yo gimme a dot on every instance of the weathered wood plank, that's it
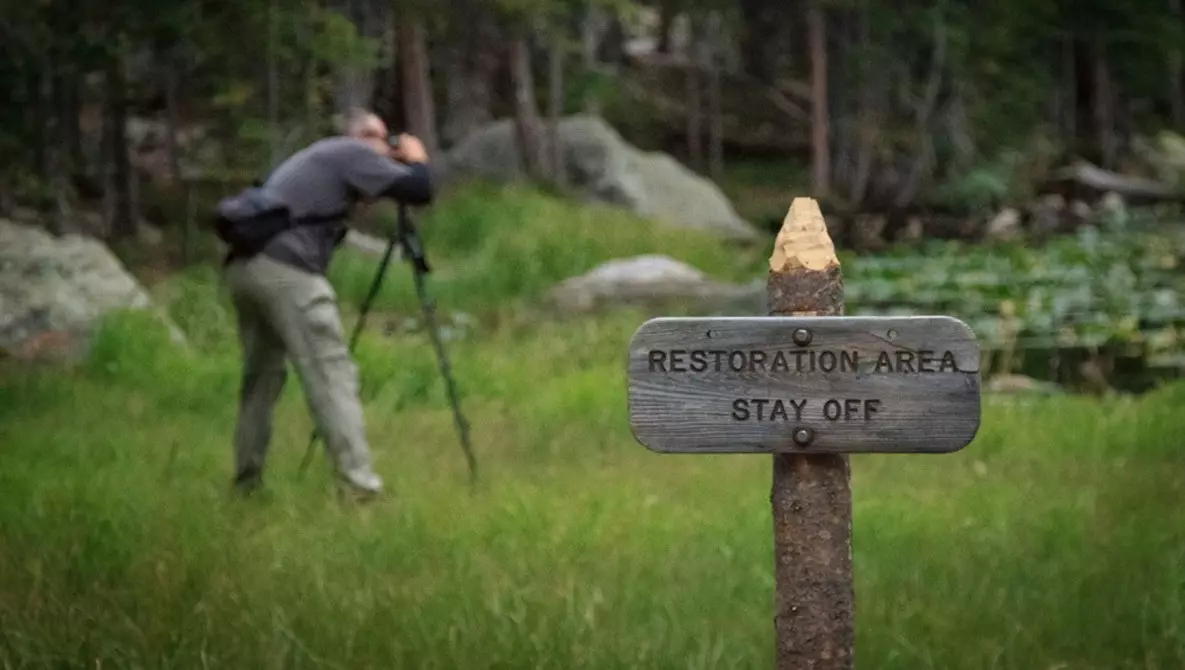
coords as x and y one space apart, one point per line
860 384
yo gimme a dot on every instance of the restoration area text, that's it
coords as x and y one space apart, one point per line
803 361
799 361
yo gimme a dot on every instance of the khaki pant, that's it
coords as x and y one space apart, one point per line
287 314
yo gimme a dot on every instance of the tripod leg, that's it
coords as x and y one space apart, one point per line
442 359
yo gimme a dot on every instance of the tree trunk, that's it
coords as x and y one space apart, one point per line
273 87
171 115
694 87
1104 110
866 126
555 110
961 139
1177 69
526 114
1085 100
55 149
71 122
712 52
612 48
666 19
761 38
388 98
820 149
43 117
589 49
1069 116
467 90
924 160
695 147
470 59
417 88
355 83
311 90
121 225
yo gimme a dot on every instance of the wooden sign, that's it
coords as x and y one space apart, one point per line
777 384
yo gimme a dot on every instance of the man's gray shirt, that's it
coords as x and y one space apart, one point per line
325 180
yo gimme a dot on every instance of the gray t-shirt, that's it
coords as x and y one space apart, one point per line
327 179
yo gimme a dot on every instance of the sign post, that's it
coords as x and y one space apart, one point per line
808 386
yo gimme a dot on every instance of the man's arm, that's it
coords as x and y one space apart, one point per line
414 187
376 176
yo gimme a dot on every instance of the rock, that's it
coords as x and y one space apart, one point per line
868 232
54 290
913 230
1080 211
1005 226
149 235
1113 209
368 244
649 280
1046 214
1011 383
603 167
92 222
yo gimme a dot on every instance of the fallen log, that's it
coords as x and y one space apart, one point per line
1088 177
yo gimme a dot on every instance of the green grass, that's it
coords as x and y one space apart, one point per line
1055 540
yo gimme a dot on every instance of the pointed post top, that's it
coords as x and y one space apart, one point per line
803 241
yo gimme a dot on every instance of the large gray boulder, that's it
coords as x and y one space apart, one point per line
653 281
54 290
603 167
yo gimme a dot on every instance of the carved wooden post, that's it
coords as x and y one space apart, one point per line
811 495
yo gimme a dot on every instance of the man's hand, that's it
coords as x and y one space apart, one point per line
410 150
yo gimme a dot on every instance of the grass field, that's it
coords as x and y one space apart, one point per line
1056 540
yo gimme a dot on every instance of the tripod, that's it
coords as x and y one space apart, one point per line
410 248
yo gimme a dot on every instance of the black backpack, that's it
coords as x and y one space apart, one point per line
247 220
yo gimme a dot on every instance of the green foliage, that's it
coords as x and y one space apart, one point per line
199 305
134 350
985 187
338 42
491 245
1113 286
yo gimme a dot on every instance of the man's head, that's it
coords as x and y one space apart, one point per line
368 127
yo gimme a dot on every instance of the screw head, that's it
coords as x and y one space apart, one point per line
802 337
803 436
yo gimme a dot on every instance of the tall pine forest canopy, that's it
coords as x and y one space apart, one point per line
950 107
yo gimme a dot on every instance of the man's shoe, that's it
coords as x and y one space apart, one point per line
362 486
247 481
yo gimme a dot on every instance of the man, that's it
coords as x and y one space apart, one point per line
287 308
